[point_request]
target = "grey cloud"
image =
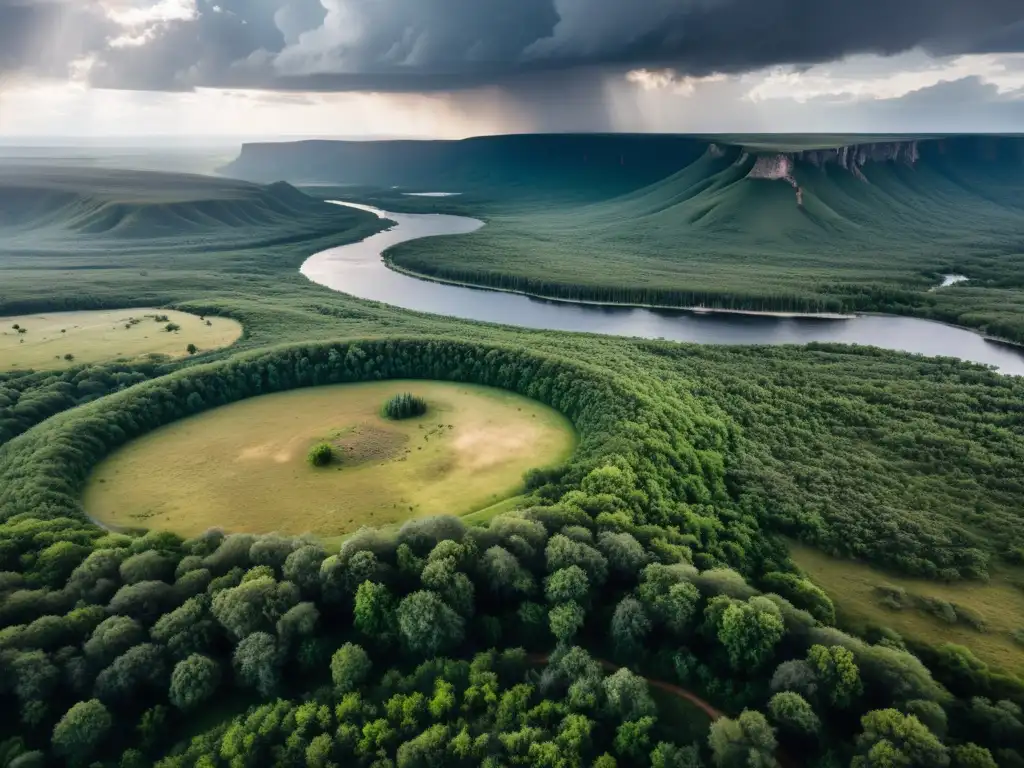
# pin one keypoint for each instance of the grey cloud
(43, 37)
(425, 45)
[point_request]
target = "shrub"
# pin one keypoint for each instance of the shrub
(404, 406)
(172, 327)
(895, 598)
(320, 455)
(191, 349)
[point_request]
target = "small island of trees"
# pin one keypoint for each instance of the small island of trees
(404, 406)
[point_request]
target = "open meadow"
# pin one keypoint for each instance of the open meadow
(243, 467)
(987, 618)
(62, 339)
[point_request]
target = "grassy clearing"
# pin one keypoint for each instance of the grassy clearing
(243, 467)
(854, 589)
(91, 337)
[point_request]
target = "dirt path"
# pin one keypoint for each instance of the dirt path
(675, 690)
(785, 760)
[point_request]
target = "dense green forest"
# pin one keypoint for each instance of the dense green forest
(653, 554)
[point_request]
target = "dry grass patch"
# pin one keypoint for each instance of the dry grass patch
(865, 596)
(243, 467)
(61, 339)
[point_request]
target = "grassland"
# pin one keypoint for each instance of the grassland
(62, 339)
(857, 591)
(243, 467)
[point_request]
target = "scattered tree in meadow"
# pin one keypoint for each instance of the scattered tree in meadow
(191, 349)
(320, 455)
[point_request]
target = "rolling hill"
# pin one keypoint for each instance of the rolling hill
(89, 238)
(43, 203)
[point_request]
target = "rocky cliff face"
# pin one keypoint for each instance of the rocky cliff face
(852, 158)
(779, 167)
(776, 168)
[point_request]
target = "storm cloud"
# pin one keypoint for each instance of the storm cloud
(431, 45)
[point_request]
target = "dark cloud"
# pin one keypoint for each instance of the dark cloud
(425, 45)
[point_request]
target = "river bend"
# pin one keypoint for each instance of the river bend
(358, 269)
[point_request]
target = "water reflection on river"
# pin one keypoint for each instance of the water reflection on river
(358, 269)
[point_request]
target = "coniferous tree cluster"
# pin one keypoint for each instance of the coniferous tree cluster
(404, 406)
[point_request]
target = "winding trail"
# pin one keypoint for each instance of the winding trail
(784, 759)
(708, 709)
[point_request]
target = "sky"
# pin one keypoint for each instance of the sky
(456, 68)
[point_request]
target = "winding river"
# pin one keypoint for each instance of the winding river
(359, 270)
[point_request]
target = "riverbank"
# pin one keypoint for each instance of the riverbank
(364, 270)
(615, 304)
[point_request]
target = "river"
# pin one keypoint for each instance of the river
(358, 269)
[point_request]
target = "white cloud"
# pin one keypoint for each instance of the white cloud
(133, 14)
(859, 78)
(668, 79)
(142, 20)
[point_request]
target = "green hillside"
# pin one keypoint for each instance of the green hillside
(41, 202)
(874, 236)
(98, 233)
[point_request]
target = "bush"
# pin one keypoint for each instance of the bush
(404, 406)
(895, 598)
(320, 455)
